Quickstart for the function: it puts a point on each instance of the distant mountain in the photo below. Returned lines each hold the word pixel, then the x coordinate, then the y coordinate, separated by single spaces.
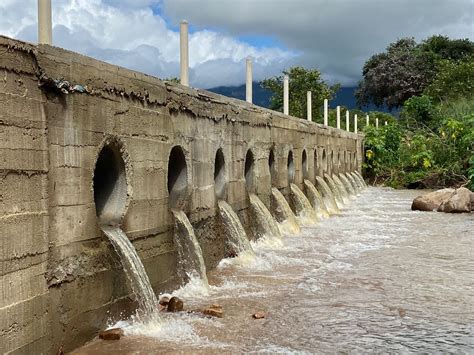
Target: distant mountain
pixel 261 97
pixel 346 97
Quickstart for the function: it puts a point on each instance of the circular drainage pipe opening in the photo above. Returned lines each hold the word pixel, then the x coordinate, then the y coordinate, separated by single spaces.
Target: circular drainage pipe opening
pixel 110 185
pixel 220 184
pixel 177 177
pixel 248 173
pixel 291 168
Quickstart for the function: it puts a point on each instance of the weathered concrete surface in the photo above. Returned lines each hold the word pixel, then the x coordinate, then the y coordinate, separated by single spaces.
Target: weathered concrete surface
pixel 59 274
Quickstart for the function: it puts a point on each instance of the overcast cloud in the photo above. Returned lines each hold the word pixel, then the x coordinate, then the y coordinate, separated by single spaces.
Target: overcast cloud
pixel 335 36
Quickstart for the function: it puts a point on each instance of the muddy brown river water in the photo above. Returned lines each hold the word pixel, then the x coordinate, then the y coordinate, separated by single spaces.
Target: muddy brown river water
pixel 376 278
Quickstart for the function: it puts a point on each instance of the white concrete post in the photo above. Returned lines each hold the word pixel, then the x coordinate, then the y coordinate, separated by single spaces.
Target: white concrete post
pixel 45 24
pixel 286 94
pixel 325 112
pixel 355 123
pixel 367 120
pixel 338 117
pixel 348 128
pixel 309 107
pixel 184 52
pixel 248 87
pixel 376 122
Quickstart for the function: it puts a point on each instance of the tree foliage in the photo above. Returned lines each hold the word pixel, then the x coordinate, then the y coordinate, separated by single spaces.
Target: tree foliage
pixel 455 79
pixel 406 69
pixel 301 81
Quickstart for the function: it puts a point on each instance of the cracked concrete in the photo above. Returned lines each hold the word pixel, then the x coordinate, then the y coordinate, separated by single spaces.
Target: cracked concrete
pixel 60 278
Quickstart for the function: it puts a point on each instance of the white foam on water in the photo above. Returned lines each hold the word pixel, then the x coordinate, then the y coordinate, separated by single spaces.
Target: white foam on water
pixel 196 287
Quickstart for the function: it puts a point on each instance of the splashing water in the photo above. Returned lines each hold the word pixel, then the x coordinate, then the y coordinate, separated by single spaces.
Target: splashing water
pixel 237 237
pixel 316 200
pixel 136 274
pixel 328 196
pixel 306 213
pixel 287 219
pixel 350 190
pixel 191 261
pixel 267 227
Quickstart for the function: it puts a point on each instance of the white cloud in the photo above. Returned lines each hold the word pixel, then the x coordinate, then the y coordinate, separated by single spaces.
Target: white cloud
pixel 131 35
pixel 336 36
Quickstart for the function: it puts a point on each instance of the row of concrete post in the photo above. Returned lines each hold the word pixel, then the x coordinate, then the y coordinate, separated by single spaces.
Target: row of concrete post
pixel 45 37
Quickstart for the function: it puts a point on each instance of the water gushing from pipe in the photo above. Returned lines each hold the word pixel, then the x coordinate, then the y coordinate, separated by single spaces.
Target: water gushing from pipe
pixel 266 225
pixel 237 238
pixel 328 196
pixel 316 200
pixel 135 271
pixel 304 210
pixel 286 218
pixel 191 261
pixel 335 191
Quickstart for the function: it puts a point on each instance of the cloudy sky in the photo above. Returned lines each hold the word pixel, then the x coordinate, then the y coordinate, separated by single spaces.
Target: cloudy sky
pixel 335 36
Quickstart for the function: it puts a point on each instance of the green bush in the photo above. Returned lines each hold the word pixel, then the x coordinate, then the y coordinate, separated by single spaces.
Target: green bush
pixel 428 154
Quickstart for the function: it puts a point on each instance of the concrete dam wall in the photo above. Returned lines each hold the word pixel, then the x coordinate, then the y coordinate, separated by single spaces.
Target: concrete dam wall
pixel 82 140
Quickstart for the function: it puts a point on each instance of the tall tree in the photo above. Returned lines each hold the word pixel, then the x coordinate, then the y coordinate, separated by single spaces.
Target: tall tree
pixel 301 81
pixel 406 68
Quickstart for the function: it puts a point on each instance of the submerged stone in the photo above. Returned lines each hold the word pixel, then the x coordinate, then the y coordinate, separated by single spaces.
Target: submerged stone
pixel 259 315
pixel 214 310
pixel 111 334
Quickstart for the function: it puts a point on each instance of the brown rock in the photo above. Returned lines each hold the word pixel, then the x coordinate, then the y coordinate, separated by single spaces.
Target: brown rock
pixel 111 334
pixel 214 310
pixel 432 200
pixel 175 304
pixel 259 315
pixel 459 202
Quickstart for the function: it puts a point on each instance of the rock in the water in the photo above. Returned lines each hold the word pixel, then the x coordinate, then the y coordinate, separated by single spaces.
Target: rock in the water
pixel 459 202
pixel 432 200
pixel 259 315
pixel 214 310
pixel 111 334
pixel 175 304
